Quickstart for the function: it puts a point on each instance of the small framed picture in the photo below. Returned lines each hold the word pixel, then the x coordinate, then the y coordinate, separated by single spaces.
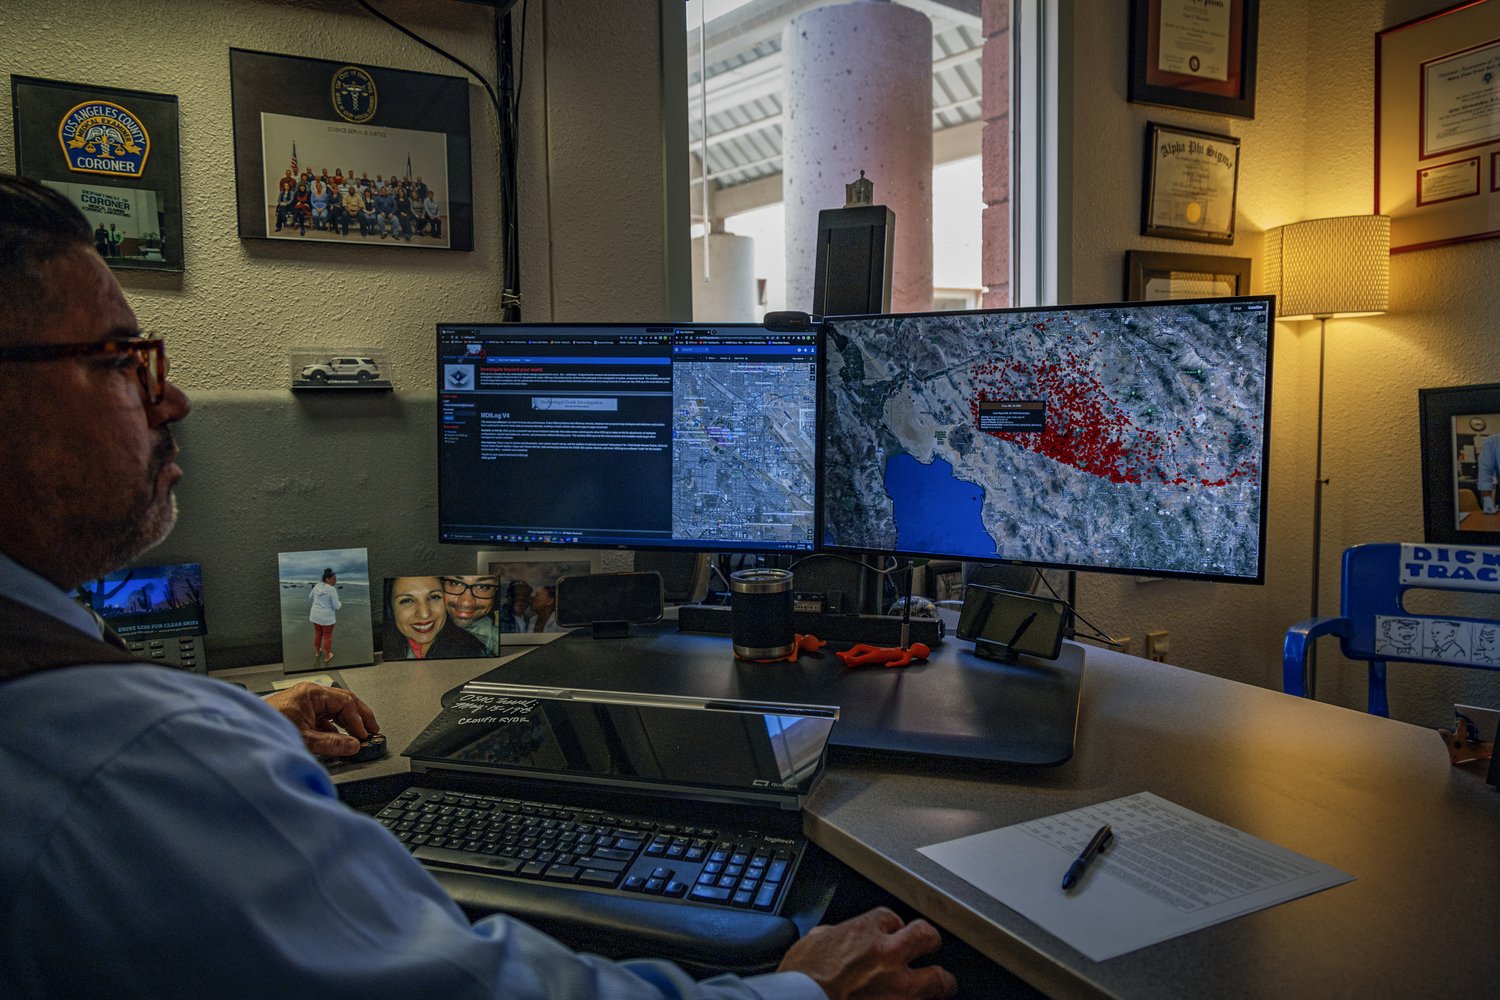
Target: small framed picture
pixel 325 609
pixel 316 368
pixel 528 595
pixel 1461 464
pixel 1192 179
pixel 1195 55
pixel 440 616
pixel 113 153
pixel 1150 276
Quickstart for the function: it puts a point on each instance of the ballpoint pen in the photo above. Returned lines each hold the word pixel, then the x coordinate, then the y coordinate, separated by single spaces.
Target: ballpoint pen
pixel 1099 842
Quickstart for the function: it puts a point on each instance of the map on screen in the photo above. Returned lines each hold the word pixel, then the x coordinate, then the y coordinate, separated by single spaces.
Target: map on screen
pixel 1120 437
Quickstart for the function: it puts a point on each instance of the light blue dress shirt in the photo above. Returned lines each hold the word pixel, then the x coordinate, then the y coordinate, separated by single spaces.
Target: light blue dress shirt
pixel 166 835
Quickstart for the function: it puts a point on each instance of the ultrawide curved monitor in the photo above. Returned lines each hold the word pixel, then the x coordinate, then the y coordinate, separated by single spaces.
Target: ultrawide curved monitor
pixel 1128 438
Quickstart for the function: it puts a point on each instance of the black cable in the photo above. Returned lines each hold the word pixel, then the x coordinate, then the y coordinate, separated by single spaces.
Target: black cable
pixel 505 105
pixel 1098 633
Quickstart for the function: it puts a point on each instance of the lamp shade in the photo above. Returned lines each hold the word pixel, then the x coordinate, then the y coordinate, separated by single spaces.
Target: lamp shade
pixel 1329 267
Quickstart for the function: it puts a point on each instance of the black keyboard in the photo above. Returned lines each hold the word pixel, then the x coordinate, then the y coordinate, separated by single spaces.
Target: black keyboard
pixel 595 849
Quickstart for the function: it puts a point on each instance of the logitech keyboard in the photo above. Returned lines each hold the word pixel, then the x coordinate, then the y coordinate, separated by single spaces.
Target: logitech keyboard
pixel 594 849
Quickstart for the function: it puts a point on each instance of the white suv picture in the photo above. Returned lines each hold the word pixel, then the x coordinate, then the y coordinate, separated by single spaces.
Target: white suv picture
pixel 342 369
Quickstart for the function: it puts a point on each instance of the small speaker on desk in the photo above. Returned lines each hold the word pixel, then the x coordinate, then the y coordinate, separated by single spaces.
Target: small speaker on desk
pixel 609 602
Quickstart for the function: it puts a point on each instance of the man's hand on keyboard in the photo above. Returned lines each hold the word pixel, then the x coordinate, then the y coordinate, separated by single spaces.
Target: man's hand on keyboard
pixel 869 958
pixel 318 711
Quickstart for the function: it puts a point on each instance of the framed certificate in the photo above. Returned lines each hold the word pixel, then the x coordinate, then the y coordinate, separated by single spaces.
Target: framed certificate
pixel 1437 126
pixel 1151 276
pixel 1193 54
pixel 1191 181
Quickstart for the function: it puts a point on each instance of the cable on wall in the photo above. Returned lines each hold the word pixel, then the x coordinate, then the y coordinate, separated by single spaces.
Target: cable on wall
pixel 506 106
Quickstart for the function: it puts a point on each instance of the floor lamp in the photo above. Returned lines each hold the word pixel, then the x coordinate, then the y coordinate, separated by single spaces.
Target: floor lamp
pixel 1321 269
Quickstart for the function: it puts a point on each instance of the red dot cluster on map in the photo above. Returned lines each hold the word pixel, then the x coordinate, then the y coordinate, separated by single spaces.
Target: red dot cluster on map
pixel 1089 430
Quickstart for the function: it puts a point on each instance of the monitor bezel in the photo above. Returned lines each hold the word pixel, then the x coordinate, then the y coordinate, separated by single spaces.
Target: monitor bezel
pixel 1269 301
pixel 691 545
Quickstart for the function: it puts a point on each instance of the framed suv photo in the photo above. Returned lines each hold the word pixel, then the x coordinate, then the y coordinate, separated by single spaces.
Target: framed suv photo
pixel 338 152
pixel 316 368
pixel 113 153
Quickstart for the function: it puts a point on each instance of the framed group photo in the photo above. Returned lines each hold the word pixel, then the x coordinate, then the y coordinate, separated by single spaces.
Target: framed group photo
pixel 1195 55
pixel 1437 127
pixel 341 153
pixel 1191 183
pixel 114 154
pixel 1461 464
pixel 527 604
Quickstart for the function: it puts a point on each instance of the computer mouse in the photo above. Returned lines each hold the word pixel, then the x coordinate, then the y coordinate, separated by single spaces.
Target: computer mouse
pixel 373 748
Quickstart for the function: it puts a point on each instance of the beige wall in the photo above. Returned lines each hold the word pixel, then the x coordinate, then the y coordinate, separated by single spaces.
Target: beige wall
pixel 268 471
pixel 1307 154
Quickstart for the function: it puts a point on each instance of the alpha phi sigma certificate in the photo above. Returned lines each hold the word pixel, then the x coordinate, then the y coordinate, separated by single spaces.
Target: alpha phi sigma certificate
pixel 1194 38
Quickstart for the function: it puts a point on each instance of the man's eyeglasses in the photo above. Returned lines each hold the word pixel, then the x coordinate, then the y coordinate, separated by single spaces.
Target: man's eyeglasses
pixel 148 353
pixel 455 588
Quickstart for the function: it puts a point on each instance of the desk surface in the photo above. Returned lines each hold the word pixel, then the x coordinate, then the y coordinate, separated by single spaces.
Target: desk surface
pixel 1370 796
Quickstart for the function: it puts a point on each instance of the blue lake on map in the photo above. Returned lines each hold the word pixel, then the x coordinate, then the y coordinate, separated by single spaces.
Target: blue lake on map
pixel 935 510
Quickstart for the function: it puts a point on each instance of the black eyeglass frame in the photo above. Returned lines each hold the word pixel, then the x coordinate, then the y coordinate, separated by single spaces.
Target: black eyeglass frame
pixel 149 352
pixel 446 581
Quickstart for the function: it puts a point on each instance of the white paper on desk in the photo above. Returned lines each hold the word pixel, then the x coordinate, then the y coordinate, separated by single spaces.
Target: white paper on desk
pixel 1167 872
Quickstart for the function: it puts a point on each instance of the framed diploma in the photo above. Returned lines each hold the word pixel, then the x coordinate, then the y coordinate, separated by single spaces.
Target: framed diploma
pixel 1197 54
pixel 1151 276
pixel 1437 126
pixel 1191 181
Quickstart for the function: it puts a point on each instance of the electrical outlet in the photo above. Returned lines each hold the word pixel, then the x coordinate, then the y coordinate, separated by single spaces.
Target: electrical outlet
pixel 1124 643
pixel 1157 645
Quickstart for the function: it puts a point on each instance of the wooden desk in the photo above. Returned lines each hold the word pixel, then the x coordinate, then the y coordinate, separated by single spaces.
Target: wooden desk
pixel 1373 797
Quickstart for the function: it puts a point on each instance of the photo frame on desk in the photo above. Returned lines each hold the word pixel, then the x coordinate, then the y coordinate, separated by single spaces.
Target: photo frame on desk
pixel 1192 180
pixel 114 154
pixel 298 120
pixel 1457 423
pixel 1152 276
pixel 1437 136
pixel 527 577
pixel 1188 54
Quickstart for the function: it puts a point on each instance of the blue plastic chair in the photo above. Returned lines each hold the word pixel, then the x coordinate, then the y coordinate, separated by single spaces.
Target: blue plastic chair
pixel 1372 589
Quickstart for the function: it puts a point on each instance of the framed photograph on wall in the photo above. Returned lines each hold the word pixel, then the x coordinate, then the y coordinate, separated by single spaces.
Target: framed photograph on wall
pixel 1460 464
pixel 114 154
pixel 335 152
pixel 1151 276
pixel 528 588
pixel 1437 127
pixel 1195 55
pixel 1192 179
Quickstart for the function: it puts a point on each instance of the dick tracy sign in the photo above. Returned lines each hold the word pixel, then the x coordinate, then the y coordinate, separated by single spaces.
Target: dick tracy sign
pixel 1471 567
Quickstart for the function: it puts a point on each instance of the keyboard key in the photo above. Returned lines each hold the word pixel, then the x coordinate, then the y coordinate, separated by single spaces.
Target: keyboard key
pixel 597 876
pixel 627 844
pixel 533 869
pixel 663 873
pixel 707 878
pixel 561 873
pixel 605 864
pixel 709 894
pixel 743 898
pixel 614 855
pixel 497 865
pixel 765 899
pixel 631 834
pixel 675 888
pixel 633 882
pixel 777 871
pixel 655 885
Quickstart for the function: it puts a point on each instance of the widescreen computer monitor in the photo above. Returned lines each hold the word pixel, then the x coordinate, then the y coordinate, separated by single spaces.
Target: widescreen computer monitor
pixel 641 436
pixel 1129 438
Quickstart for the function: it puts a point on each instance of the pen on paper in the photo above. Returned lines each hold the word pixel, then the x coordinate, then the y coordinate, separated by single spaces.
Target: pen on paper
pixel 1097 843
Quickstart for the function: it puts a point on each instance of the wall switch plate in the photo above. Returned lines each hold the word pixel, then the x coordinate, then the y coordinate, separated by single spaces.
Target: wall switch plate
pixel 1157 645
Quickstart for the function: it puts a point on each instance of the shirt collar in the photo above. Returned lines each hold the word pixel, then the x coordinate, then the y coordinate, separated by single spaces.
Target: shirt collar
pixel 22 585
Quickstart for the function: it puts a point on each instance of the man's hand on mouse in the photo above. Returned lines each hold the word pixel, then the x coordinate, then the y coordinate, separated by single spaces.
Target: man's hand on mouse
pixel 869 958
pixel 318 712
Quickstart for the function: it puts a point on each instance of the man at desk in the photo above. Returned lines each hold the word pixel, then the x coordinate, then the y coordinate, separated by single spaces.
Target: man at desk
pixel 167 834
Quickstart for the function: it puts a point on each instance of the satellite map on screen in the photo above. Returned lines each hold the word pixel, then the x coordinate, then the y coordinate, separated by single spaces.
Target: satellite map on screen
pixel 1126 437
